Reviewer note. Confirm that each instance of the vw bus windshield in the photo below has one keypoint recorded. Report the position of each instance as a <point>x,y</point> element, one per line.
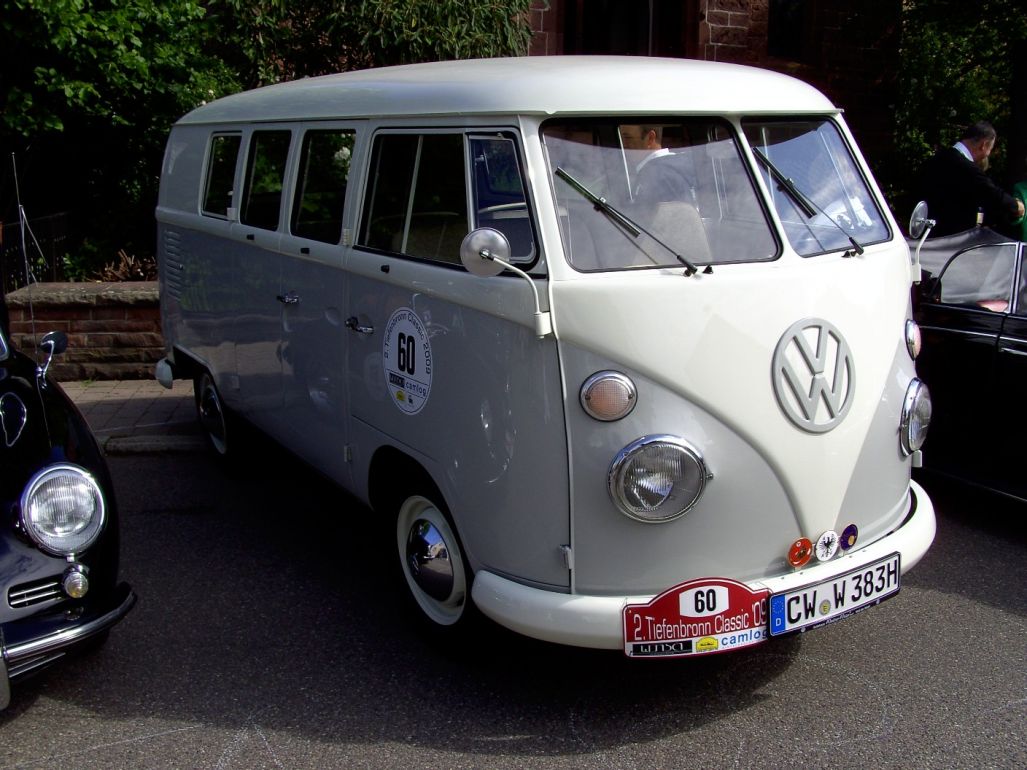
<point>820,195</point>
<point>680,184</point>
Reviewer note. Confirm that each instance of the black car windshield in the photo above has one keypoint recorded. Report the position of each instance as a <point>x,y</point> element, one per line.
<point>823,200</point>
<point>654,192</point>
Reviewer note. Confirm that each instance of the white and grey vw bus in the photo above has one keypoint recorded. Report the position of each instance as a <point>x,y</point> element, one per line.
<point>621,346</point>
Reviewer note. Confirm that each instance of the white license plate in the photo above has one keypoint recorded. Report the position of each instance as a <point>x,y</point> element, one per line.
<point>820,603</point>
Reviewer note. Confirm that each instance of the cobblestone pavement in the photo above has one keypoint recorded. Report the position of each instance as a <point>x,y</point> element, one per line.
<point>137,415</point>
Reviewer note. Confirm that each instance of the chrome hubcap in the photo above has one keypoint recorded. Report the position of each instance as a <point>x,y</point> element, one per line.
<point>428,558</point>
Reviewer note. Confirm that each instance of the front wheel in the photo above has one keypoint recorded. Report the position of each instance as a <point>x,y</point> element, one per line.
<point>432,562</point>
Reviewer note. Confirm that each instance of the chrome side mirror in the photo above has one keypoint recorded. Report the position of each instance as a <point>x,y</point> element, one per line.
<point>484,252</point>
<point>919,224</point>
<point>919,228</point>
<point>54,343</point>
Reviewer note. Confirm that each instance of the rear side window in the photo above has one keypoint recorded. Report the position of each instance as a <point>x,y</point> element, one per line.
<point>321,188</point>
<point>265,175</point>
<point>220,182</point>
<point>427,191</point>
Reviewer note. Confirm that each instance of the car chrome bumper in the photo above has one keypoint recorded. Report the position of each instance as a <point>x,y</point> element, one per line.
<point>595,621</point>
<point>20,656</point>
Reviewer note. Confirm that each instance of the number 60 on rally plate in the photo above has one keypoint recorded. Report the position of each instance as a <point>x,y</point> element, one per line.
<point>700,616</point>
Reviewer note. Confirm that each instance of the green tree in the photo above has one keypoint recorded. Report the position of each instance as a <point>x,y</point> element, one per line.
<point>89,90</point>
<point>274,40</point>
<point>958,62</point>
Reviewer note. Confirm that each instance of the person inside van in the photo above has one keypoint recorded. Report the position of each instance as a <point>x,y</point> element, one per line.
<point>658,174</point>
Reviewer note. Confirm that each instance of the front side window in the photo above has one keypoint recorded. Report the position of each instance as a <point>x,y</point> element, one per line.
<point>427,191</point>
<point>220,182</point>
<point>820,195</point>
<point>647,192</point>
<point>321,188</point>
<point>499,197</point>
<point>265,176</point>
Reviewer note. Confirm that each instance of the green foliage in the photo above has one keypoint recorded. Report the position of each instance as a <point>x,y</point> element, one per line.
<point>957,60</point>
<point>405,31</point>
<point>90,87</point>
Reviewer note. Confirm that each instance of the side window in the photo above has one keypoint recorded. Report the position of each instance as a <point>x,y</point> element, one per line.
<point>417,196</point>
<point>499,198</point>
<point>217,193</point>
<point>321,188</point>
<point>980,277</point>
<point>265,174</point>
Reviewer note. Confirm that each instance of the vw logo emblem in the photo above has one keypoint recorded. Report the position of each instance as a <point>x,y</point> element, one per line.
<point>814,376</point>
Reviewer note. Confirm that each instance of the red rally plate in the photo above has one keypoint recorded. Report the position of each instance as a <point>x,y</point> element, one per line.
<point>697,617</point>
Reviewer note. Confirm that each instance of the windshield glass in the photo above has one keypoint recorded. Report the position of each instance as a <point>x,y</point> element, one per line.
<point>649,192</point>
<point>829,202</point>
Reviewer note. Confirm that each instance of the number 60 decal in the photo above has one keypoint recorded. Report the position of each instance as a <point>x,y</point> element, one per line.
<point>406,357</point>
<point>704,601</point>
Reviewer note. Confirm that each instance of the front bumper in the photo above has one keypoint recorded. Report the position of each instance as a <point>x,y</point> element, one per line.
<point>30,644</point>
<point>596,621</point>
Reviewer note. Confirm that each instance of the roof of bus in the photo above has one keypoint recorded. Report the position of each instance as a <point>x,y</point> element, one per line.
<point>545,85</point>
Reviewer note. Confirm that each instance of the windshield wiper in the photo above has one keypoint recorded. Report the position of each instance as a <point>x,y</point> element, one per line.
<point>621,219</point>
<point>803,201</point>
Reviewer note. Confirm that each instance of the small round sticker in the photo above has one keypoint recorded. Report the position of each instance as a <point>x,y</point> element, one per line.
<point>406,357</point>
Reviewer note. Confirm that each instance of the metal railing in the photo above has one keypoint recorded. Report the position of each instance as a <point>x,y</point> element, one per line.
<point>45,245</point>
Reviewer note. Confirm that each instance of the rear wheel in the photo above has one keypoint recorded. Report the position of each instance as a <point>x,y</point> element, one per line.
<point>433,563</point>
<point>212,415</point>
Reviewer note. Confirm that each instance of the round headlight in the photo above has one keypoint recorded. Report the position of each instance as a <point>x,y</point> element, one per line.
<point>657,478</point>
<point>62,510</point>
<point>913,340</point>
<point>608,396</point>
<point>916,416</point>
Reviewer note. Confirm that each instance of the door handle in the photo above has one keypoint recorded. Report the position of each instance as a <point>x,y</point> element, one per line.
<point>355,325</point>
<point>289,298</point>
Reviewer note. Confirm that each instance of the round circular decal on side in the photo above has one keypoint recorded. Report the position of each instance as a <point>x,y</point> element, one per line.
<point>406,357</point>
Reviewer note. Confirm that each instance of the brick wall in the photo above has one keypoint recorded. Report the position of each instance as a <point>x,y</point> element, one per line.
<point>733,30</point>
<point>113,328</point>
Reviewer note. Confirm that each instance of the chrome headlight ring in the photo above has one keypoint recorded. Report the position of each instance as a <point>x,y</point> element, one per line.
<point>63,509</point>
<point>916,417</point>
<point>657,479</point>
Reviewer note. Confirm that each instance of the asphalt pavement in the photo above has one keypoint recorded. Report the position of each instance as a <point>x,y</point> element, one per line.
<point>130,416</point>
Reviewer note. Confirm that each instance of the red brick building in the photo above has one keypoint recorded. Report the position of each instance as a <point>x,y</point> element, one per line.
<point>848,50</point>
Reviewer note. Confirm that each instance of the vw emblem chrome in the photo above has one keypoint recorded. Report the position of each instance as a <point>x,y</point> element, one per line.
<point>814,376</point>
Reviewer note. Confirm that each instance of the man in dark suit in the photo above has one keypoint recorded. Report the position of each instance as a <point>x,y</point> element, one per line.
<point>956,188</point>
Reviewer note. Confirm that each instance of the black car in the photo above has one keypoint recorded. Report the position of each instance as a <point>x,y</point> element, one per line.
<point>971,306</point>
<point>59,587</point>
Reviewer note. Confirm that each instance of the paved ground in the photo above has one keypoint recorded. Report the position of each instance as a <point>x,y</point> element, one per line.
<point>138,415</point>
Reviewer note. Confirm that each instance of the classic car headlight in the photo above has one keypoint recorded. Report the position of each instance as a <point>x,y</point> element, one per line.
<point>657,478</point>
<point>913,339</point>
<point>62,509</point>
<point>916,416</point>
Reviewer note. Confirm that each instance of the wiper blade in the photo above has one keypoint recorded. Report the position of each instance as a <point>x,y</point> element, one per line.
<point>806,204</point>
<point>621,219</point>
<point>786,184</point>
<point>601,204</point>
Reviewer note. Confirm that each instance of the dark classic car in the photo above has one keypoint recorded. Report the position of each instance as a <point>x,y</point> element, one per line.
<point>59,586</point>
<point>971,306</point>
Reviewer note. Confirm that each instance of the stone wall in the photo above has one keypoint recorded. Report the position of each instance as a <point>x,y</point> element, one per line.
<point>113,328</point>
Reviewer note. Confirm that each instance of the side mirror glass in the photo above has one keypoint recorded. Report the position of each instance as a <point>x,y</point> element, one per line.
<point>918,221</point>
<point>481,249</point>
<point>54,343</point>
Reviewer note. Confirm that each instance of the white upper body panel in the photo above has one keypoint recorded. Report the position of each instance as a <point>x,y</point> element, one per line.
<point>529,85</point>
